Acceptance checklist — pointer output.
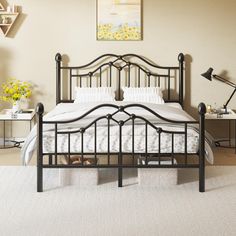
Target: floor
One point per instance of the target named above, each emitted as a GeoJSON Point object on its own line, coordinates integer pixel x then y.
{"type": "Point", "coordinates": [222, 156]}
{"type": "Point", "coordinates": [105, 209]}
{"type": "Point", "coordinates": [138, 210]}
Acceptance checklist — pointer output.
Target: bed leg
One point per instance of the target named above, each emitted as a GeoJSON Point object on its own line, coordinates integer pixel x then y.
{"type": "Point", "coordinates": [202, 111]}
{"type": "Point", "coordinates": [39, 179]}
{"type": "Point", "coordinates": [201, 179]}
{"type": "Point", "coordinates": [39, 117]}
{"type": "Point", "coordinates": [120, 176]}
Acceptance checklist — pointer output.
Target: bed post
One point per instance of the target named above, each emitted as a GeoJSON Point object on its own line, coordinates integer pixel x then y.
{"type": "Point", "coordinates": [181, 79]}
{"type": "Point", "coordinates": [58, 59]}
{"type": "Point", "coordinates": [39, 117]}
{"type": "Point", "coordinates": [201, 111]}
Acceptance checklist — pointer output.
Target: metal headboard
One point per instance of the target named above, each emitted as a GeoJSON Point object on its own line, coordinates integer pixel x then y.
{"type": "Point", "coordinates": [93, 74]}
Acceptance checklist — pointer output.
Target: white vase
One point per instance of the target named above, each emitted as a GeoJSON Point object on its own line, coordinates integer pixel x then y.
{"type": "Point", "coordinates": [24, 103]}
{"type": "Point", "coordinates": [15, 107]}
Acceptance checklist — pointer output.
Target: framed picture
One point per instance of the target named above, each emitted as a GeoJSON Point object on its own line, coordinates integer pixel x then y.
{"type": "Point", "coordinates": [119, 20]}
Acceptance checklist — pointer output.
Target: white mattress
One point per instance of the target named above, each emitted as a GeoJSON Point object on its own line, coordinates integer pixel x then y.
{"type": "Point", "coordinates": [139, 141]}
{"type": "Point", "coordinates": [70, 111]}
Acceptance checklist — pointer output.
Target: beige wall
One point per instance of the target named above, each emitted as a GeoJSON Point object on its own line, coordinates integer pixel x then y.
{"type": "Point", "coordinates": [204, 30]}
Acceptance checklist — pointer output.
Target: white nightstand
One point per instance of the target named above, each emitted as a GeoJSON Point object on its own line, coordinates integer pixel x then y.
{"type": "Point", "coordinates": [230, 117]}
{"type": "Point", "coordinates": [6, 115]}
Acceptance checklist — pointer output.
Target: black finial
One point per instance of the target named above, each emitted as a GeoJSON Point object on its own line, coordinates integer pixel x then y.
{"type": "Point", "coordinates": [181, 57]}
{"type": "Point", "coordinates": [58, 57]}
{"type": "Point", "coordinates": [201, 108]}
{"type": "Point", "coordinates": [39, 109]}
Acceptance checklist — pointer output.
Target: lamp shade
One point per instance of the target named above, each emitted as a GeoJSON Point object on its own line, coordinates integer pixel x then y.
{"type": "Point", "coordinates": [208, 74]}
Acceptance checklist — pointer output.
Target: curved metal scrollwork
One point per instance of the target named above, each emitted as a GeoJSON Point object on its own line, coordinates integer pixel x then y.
{"type": "Point", "coordinates": [96, 68]}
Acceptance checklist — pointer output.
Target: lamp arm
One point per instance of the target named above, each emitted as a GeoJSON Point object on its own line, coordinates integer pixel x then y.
{"type": "Point", "coordinates": [217, 77]}
{"type": "Point", "coordinates": [226, 104]}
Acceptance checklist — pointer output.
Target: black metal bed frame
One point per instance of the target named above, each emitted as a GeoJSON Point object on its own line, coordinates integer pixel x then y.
{"type": "Point", "coordinates": [52, 161]}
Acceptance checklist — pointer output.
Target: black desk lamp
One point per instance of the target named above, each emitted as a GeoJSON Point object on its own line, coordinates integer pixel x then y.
{"type": "Point", "coordinates": [208, 75]}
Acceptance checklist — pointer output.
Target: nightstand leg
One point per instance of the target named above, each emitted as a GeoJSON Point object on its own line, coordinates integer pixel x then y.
{"type": "Point", "coordinates": [4, 134]}
{"type": "Point", "coordinates": [235, 136]}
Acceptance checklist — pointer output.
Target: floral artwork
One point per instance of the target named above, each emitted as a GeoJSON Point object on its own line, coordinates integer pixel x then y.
{"type": "Point", "coordinates": [119, 20]}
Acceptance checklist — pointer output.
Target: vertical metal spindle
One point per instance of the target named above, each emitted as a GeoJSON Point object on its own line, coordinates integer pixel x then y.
{"type": "Point", "coordinates": [129, 75]}
{"type": "Point", "coordinates": [120, 157]}
{"type": "Point", "coordinates": [146, 143]}
{"type": "Point", "coordinates": [172, 149]}
{"type": "Point", "coordinates": [110, 74]}
{"type": "Point", "coordinates": [80, 81]}
{"type": "Point", "coordinates": [139, 71]}
{"type": "Point", "coordinates": [55, 143]}
{"type": "Point", "coordinates": [149, 81]}
{"type": "Point", "coordinates": [50, 159]}
{"type": "Point", "coordinates": [159, 149]}
{"type": "Point", "coordinates": [100, 78]}
{"type": "Point", "coordinates": [159, 81]}
{"type": "Point", "coordinates": [69, 160]}
{"type": "Point", "coordinates": [82, 148]}
{"type": "Point", "coordinates": [133, 141]}
{"type": "Point", "coordinates": [119, 84]}
{"type": "Point", "coordinates": [168, 84]}
{"type": "Point", "coordinates": [108, 141]}
{"type": "Point", "coordinates": [90, 80]}
{"type": "Point", "coordinates": [95, 142]}
{"type": "Point", "coordinates": [70, 84]}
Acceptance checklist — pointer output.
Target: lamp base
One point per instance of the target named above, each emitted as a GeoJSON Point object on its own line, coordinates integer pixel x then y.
{"type": "Point", "coordinates": [224, 113]}
{"type": "Point", "coordinates": [224, 110]}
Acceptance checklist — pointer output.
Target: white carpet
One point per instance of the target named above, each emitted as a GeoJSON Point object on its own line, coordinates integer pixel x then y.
{"type": "Point", "coordinates": [109, 210]}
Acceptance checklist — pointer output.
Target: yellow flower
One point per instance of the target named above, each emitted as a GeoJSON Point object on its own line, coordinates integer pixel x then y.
{"type": "Point", "coordinates": [100, 35]}
{"type": "Point", "coordinates": [14, 90]}
{"type": "Point", "coordinates": [110, 35]}
{"type": "Point", "coordinates": [136, 36]}
{"type": "Point", "coordinates": [117, 36]}
{"type": "Point", "coordinates": [28, 94]}
{"type": "Point", "coordinates": [126, 36]}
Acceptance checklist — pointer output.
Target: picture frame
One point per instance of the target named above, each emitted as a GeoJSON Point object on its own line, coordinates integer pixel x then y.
{"type": "Point", "coordinates": [119, 20]}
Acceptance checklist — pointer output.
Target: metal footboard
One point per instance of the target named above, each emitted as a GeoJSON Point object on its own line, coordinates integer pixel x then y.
{"type": "Point", "coordinates": [50, 160]}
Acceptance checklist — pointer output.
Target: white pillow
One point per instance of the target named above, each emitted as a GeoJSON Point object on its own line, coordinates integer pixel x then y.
{"type": "Point", "coordinates": [145, 94]}
{"type": "Point", "coordinates": [101, 94]}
